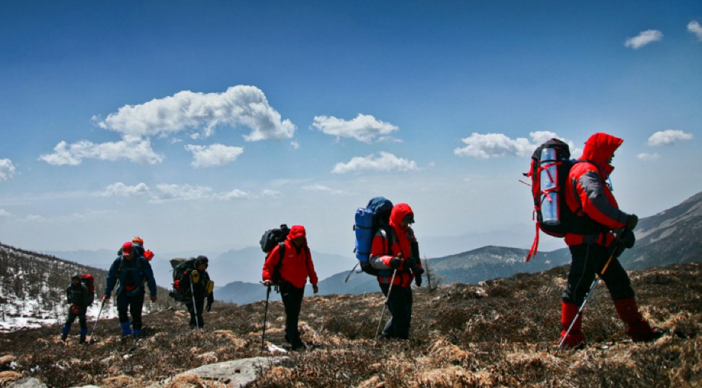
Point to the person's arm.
(110, 281)
(269, 265)
(595, 202)
(150, 280)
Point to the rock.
(233, 374)
(30, 382)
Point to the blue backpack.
(366, 226)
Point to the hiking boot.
(64, 333)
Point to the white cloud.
(321, 188)
(213, 155)
(7, 169)
(119, 189)
(383, 162)
(695, 28)
(646, 156)
(134, 149)
(363, 128)
(668, 137)
(644, 38)
(238, 106)
(270, 193)
(234, 194)
(5, 213)
(173, 192)
(493, 145)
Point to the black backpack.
(550, 166)
(269, 240)
(180, 267)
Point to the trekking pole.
(265, 317)
(192, 293)
(96, 322)
(350, 272)
(394, 272)
(589, 293)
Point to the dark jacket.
(587, 191)
(202, 288)
(131, 275)
(78, 295)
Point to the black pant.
(199, 306)
(400, 306)
(81, 317)
(587, 261)
(292, 300)
(134, 303)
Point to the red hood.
(296, 231)
(599, 148)
(399, 212)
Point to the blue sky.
(198, 125)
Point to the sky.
(199, 125)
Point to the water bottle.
(549, 187)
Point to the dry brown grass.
(499, 333)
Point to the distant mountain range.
(671, 236)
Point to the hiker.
(78, 296)
(292, 269)
(202, 288)
(598, 211)
(393, 254)
(131, 270)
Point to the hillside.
(32, 289)
(497, 333)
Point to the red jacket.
(296, 266)
(588, 193)
(401, 247)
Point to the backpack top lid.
(273, 237)
(379, 205)
(562, 149)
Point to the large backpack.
(269, 240)
(89, 282)
(550, 166)
(366, 226)
(180, 267)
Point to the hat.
(75, 277)
(138, 240)
(127, 248)
(202, 259)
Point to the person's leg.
(67, 325)
(83, 324)
(200, 304)
(136, 303)
(584, 266)
(396, 303)
(403, 312)
(292, 300)
(122, 308)
(622, 293)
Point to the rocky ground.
(499, 333)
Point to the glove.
(209, 306)
(418, 280)
(153, 298)
(628, 238)
(315, 288)
(417, 270)
(395, 263)
(75, 309)
(631, 221)
(105, 297)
